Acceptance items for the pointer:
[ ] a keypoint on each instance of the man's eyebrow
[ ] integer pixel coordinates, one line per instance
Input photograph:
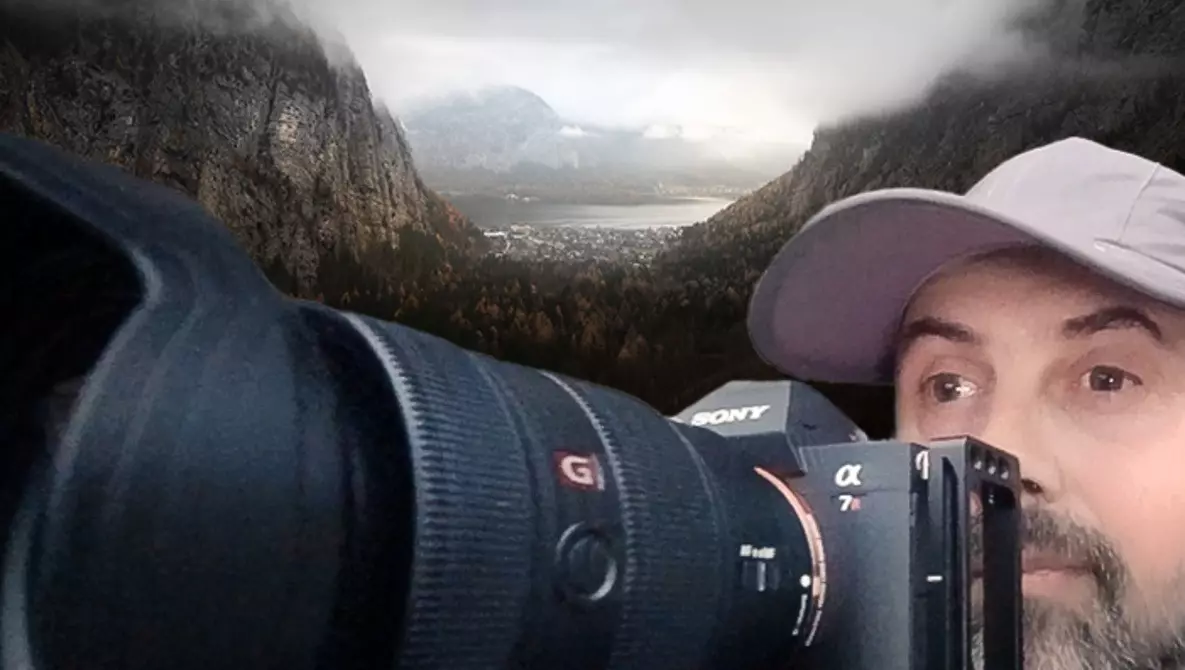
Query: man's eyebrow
(1119, 317)
(930, 326)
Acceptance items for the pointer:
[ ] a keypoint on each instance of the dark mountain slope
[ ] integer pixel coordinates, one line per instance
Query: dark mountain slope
(1117, 76)
(236, 104)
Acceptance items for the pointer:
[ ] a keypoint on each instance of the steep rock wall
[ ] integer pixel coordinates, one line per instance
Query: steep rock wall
(242, 106)
(1114, 72)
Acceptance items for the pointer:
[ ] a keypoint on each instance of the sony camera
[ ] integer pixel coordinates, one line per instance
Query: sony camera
(200, 472)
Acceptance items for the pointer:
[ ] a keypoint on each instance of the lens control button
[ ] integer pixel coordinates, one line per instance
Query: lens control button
(760, 575)
(586, 566)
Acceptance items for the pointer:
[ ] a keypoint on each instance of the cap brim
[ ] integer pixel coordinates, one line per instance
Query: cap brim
(828, 307)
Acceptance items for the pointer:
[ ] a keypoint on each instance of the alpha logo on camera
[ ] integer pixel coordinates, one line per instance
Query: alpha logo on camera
(731, 415)
(849, 475)
(579, 471)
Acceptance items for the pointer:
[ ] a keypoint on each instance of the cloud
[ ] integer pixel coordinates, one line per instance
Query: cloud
(769, 68)
(220, 16)
(776, 67)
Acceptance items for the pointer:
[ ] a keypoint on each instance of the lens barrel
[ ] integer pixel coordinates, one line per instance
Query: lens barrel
(562, 522)
(243, 480)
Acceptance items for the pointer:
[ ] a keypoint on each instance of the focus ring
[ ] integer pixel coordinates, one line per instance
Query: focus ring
(671, 533)
(474, 513)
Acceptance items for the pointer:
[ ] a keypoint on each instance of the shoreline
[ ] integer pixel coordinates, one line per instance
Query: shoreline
(494, 214)
(592, 201)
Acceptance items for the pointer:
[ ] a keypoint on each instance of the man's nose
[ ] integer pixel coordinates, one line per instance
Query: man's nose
(1018, 432)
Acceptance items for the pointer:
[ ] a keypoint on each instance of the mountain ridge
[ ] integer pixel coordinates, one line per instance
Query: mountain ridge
(1112, 73)
(672, 330)
(507, 140)
(266, 128)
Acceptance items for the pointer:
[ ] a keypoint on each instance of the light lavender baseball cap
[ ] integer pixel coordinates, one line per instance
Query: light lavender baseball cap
(829, 306)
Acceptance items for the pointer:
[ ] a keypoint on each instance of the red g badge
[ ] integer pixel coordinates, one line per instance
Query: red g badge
(578, 471)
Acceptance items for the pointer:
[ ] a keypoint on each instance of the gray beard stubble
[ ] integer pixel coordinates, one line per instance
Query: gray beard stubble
(1123, 630)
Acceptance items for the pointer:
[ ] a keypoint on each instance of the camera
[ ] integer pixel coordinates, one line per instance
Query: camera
(201, 472)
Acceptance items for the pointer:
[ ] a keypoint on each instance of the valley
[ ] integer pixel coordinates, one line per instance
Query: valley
(337, 198)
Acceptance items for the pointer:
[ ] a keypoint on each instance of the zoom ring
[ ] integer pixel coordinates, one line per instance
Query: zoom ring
(465, 603)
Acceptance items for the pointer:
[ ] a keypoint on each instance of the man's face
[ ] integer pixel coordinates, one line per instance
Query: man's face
(1084, 381)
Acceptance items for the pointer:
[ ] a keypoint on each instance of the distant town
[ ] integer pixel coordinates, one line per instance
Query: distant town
(535, 243)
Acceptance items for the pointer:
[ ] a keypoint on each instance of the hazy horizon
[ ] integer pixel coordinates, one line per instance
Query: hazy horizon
(768, 70)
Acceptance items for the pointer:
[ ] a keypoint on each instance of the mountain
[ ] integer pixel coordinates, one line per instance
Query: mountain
(668, 332)
(494, 129)
(504, 140)
(1110, 71)
(239, 104)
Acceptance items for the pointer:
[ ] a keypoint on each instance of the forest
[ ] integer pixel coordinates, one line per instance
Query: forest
(660, 333)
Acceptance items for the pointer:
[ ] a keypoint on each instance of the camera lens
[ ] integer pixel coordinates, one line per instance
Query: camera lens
(241, 480)
(477, 515)
(559, 523)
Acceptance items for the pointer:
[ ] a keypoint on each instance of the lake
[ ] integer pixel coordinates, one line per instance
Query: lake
(498, 213)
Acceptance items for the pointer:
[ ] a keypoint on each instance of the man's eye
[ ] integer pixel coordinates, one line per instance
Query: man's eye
(1107, 379)
(949, 387)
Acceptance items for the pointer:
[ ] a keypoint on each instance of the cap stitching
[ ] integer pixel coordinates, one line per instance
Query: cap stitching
(1131, 212)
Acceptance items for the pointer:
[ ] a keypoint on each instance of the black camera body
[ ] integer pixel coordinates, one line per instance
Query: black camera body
(243, 480)
(894, 521)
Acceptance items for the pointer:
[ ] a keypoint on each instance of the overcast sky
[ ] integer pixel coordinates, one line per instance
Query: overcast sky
(771, 68)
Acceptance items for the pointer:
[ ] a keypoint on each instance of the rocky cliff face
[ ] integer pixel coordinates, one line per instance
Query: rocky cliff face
(237, 104)
(1114, 71)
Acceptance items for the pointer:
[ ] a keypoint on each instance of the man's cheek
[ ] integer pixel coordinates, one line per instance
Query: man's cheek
(1146, 522)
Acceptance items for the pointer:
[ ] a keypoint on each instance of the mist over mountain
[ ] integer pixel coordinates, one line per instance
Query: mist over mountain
(507, 140)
